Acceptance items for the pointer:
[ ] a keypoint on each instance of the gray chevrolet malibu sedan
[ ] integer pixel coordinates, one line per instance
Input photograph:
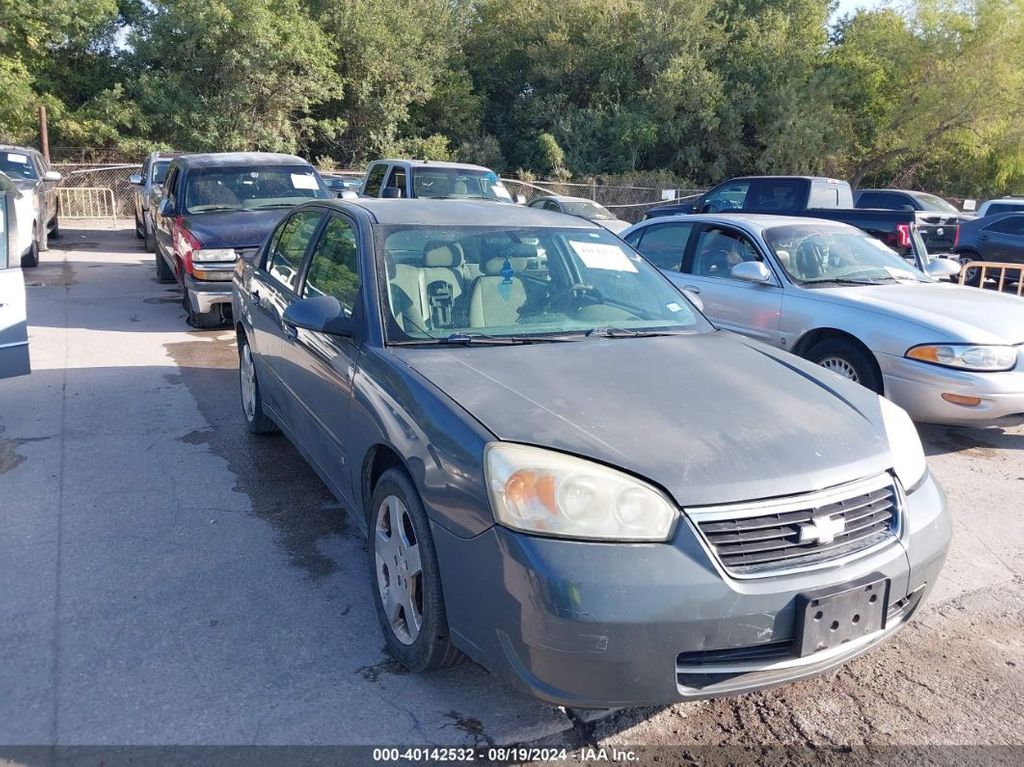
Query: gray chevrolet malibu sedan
(564, 471)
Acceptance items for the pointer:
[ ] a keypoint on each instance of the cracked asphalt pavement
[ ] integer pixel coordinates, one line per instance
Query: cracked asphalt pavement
(166, 578)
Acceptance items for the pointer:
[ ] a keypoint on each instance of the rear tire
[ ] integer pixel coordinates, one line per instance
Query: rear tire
(55, 231)
(256, 420)
(972, 276)
(44, 239)
(140, 229)
(30, 259)
(149, 242)
(405, 577)
(849, 360)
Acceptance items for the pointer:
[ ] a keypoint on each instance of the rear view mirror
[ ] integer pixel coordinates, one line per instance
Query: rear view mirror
(348, 194)
(520, 199)
(322, 314)
(940, 268)
(751, 271)
(391, 193)
(694, 299)
(135, 179)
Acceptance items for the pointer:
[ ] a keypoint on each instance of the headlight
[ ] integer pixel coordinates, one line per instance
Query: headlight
(214, 254)
(904, 444)
(544, 492)
(966, 357)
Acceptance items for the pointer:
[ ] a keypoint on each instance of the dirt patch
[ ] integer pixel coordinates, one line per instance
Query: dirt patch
(281, 487)
(387, 666)
(471, 726)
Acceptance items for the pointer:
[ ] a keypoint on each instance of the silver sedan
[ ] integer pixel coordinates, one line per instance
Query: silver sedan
(832, 294)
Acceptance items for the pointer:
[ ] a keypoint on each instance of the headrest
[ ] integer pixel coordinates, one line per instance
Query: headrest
(440, 254)
(493, 266)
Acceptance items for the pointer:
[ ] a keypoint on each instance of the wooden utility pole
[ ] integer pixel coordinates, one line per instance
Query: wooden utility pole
(44, 136)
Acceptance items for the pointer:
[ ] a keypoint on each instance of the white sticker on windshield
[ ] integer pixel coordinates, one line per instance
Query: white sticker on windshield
(597, 255)
(304, 181)
(22, 158)
(673, 307)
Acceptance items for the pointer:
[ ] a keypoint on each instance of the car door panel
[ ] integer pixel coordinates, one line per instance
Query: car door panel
(319, 368)
(751, 309)
(14, 357)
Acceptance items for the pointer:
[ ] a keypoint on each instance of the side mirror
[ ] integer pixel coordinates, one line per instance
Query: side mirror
(322, 314)
(907, 207)
(348, 194)
(135, 179)
(165, 208)
(694, 299)
(970, 205)
(391, 193)
(52, 175)
(751, 271)
(941, 268)
(520, 199)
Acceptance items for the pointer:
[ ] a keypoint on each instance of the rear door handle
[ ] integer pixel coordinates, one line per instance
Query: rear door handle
(255, 295)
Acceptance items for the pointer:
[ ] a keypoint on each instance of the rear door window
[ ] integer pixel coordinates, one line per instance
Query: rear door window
(284, 261)
(1009, 225)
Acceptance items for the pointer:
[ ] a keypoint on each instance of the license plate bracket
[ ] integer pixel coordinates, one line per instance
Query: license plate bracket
(828, 619)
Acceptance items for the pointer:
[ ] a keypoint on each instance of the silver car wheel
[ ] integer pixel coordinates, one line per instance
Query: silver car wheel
(247, 383)
(399, 572)
(840, 366)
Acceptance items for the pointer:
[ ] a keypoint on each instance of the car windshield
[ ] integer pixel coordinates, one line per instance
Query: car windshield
(461, 284)
(934, 204)
(816, 254)
(17, 165)
(160, 171)
(458, 184)
(587, 209)
(250, 188)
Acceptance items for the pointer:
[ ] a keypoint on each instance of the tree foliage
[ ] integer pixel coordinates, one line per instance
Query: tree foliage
(925, 93)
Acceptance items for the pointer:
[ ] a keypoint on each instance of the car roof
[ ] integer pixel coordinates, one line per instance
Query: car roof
(564, 198)
(229, 159)
(778, 178)
(756, 222)
(434, 164)
(459, 213)
(18, 149)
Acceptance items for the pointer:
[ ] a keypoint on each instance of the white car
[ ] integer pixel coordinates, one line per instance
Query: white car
(14, 359)
(582, 207)
(33, 178)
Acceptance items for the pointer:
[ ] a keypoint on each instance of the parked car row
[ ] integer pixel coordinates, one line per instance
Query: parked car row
(36, 216)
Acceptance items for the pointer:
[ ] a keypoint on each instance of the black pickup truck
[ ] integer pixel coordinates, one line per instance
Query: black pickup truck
(785, 195)
(939, 221)
(901, 230)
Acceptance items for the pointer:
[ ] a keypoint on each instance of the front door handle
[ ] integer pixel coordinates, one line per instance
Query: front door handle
(290, 331)
(255, 296)
(692, 289)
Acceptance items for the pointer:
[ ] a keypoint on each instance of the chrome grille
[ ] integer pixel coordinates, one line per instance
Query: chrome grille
(766, 537)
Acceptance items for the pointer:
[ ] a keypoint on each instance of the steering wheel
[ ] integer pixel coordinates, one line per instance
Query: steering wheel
(581, 292)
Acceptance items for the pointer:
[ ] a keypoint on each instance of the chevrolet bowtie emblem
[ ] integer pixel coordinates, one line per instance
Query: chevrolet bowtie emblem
(822, 530)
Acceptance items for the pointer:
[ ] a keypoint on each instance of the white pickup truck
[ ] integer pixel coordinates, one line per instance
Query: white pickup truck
(436, 180)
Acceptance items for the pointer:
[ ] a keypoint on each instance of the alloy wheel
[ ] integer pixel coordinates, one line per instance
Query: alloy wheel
(398, 568)
(247, 383)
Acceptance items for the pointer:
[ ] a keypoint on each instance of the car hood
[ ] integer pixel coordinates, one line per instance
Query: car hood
(614, 225)
(234, 229)
(949, 312)
(710, 418)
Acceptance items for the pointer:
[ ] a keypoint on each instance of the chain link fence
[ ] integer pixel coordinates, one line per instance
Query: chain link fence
(629, 203)
(82, 176)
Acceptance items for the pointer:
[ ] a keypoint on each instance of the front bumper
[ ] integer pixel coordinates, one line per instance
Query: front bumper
(205, 295)
(603, 624)
(918, 387)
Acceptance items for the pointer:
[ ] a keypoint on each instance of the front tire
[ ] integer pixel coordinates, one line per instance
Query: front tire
(30, 259)
(164, 273)
(405, 578)
(140, 229)
(848, 360)
(200, 320)
(256, 420)
(44, 239)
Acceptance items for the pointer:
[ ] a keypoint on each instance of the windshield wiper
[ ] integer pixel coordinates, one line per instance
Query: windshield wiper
(615, 332)
(279, 204)
(213, 208)
(480, 339)
(847, 281)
